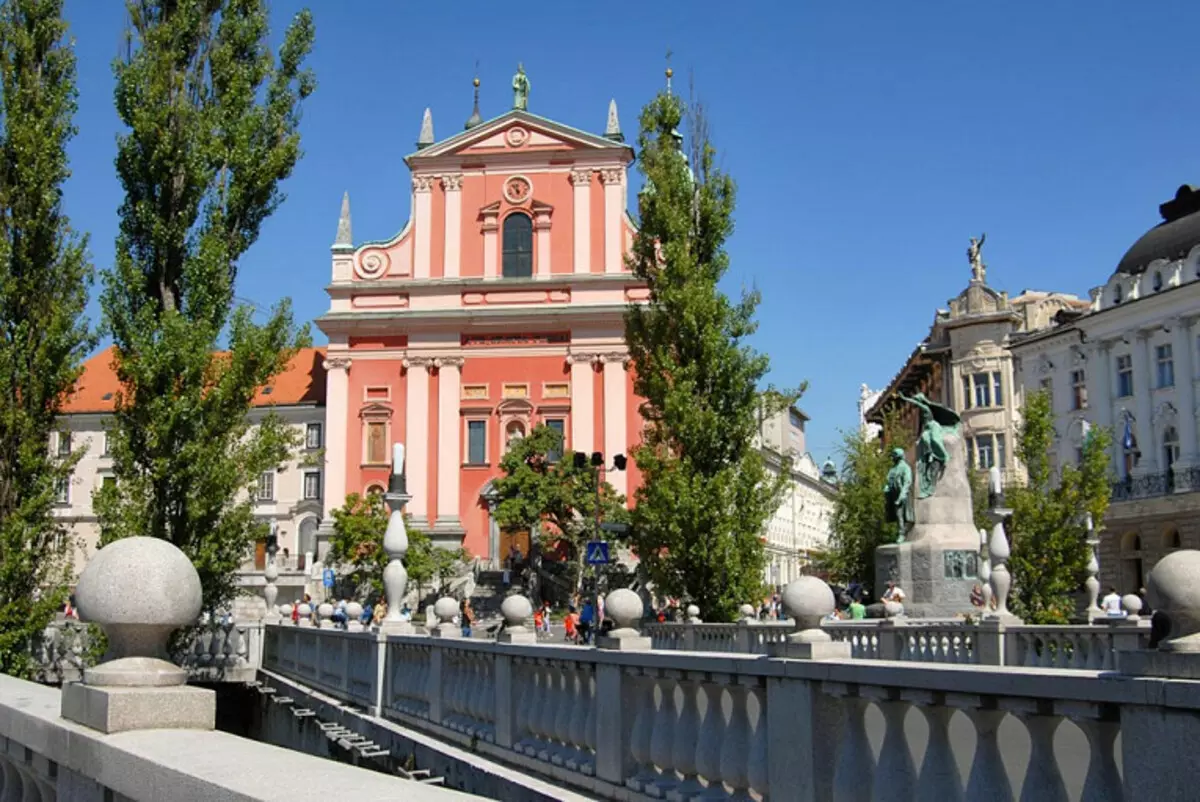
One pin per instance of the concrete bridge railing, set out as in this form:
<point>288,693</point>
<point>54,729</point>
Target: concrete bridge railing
<point>621,723</point>
<point>1091,646</point>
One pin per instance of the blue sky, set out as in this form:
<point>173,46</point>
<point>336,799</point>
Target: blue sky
<point>868,140</point>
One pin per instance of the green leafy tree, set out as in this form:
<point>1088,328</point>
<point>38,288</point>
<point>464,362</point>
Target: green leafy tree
<point>357,549</point>
<point>1049,521</point>
<point>211,121</point>
<point>541,486</point>
<point>706,492</point>
<point>859,525</point>
<point>44,279</point>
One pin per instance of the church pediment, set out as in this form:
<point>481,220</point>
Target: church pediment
<point>514,132</point>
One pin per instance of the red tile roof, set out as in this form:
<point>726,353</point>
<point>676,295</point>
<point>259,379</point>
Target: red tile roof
<point>302,382</point>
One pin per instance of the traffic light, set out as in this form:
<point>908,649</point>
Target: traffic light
<point>619,462</point>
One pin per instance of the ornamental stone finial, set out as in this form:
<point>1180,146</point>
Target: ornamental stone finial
<point>344,239</point>
<point>808,600</point>
<point>625,608</point>
<point>425,139</point>
<point>516,610</point>
<point>612,130</point>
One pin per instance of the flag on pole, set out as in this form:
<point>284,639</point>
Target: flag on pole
<point>1127,440</point>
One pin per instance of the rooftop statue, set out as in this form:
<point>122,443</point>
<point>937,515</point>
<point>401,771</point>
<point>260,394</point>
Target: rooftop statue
<point>975,254</point>
<point>897,494</point>
<point>520,85</point>
<point>936,421</point>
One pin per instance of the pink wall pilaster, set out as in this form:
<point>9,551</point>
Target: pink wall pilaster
<point>582,180</point>
<point>453,247</point>
<point>417,427</point>
<point>582,405</point>
<point>491,231</point>
<point>613,213</point>
<point>337,399</point>
<point>614,416</point>
<point>449,449</point>
<point>422,225</point>
<point>541,225</point>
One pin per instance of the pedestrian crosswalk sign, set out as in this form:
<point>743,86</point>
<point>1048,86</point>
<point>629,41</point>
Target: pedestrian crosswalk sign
<point>597,553</point>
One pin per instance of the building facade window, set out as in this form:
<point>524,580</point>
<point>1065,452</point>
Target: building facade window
<point>1166,366</point>
<point>517,252</point>
<point>1079,398</point>
<point>983,452</point>
<point>376,443</point>
<point>1047,386</point>
<point>983,391</point>
<point>312,485</point>
<point>559,427</point>
<point>477,442</point>
<point>966,392</point>
<point>1170,447</point>
<point>266,486</point>
<point>997,389</point>
<point>312,436</point>
<point>62,490</point>
<point>986,451</point>
<point>1124,376</point>
<point>1158,282</point>
<point>64,444</point>
<point>1117,297</point>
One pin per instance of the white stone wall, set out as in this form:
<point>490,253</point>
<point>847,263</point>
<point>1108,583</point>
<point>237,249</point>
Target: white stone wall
<point>800,525</point>
<point>288,509</point>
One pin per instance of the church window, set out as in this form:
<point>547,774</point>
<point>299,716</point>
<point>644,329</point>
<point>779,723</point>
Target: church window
<point>559,427</point>
<point>477,442</point>
<point>1124,376</point>
<point>518,246</point>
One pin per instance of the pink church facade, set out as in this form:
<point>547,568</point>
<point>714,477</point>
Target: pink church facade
<point>499,306</point>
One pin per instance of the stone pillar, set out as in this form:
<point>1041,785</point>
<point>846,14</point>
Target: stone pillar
<point>452,252</point>
<point>422,205</point>
<point>449,448</point>
<point>1100,394</point>
<point>541,229</point>
<point>614,212</point>
<point>582,181</point>
<point>417,430</point>
<point>1143,377</point>
<point>614,416</point>
<point>337,416</point>
<point>1181,351</point>
<point>582,402</point>
<point>491,245</point>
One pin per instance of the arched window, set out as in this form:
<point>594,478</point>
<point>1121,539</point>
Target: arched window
<point>518,246</point>
<point>373,489</point>
<point>1171,539</point>
<point>1158,282</point>
<point>1132,541</point>
<point>1170,447</point>
<point>1117,294</point>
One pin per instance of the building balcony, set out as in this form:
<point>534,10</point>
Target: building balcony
<point>1153,485</point>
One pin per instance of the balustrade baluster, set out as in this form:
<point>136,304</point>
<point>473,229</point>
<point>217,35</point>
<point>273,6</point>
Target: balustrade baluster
<point>1027,646</point>
<point>757,768</point>
<point>735,746</point>
<point>524,679</point>
<point>562,714</point>
<point>1043,780</point>
<point>662,737</point>
<point>687,736</point>
<point>938,778</point>
<point>895,775</point>
<point>988,781</point>
<point>488,703</point>
<point>1109,654</point>
<point>643,722</point>
<point>589,727</point>
<point>545,709</point>
<point>473,674</point>
<point>550,716</point>
<point>854,773</point>
<point>450,688</point>
<point>1097,646</point>
<point>580,684</point>
<point>1100,726</point>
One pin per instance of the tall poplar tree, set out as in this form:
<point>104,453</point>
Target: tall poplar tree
<point>706,492</point>
<point>44,279</point>
<point>212,119</point>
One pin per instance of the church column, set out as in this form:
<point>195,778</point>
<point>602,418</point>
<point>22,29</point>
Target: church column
<point>337,418</point>
<point>1142,377</point>
<point>582,403</point>
<point>1100,392</point>
<point>422,224</point>
<point>614,416</point>
<point>582,181</point>
<point>453,228</point>
<point>1181,352</point>
<point>416,460</point>
<point>449,449</point>
<point>491,233</point>
<point>613,212</point>
<point>541,227</point>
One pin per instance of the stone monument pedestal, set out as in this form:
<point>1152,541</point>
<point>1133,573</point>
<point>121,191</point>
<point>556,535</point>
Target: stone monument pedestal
<point>119,709</point>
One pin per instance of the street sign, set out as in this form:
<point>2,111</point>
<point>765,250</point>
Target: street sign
<point>597,553</point>
<point>328,578</point>
<point>615,528</point>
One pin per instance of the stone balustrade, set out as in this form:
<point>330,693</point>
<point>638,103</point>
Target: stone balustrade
<point>1086,646</point>
<point>45,758</point>
<point>682,725</point>
<point>218,652</point>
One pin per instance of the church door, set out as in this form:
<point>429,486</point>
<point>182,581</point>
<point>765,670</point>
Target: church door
<point>518,537</point>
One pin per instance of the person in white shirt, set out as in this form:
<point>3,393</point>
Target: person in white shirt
<point>1111,603</point>
<point>893,599</point>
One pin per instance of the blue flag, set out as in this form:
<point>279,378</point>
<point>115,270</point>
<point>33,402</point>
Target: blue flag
<point>1127,440</point>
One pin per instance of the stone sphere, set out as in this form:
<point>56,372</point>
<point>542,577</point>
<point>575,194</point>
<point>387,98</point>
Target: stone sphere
<point>808,600</point>
<point>445,609</point>
<point>285,610</point>
<point>354,611</point>
<point>1173,588</point>
<point>139,581</point>
<point>325,611</point>
<point>516,609</point>
<point>305,611</point>
<point>693,611</point>
<point>1131,603</point>
<point>623,606</point>
<point>746,611</point>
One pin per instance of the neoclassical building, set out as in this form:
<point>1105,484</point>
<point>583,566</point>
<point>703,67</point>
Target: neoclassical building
<point>966,364</point>
<point>499,305</point>
<point>1130,364</point>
